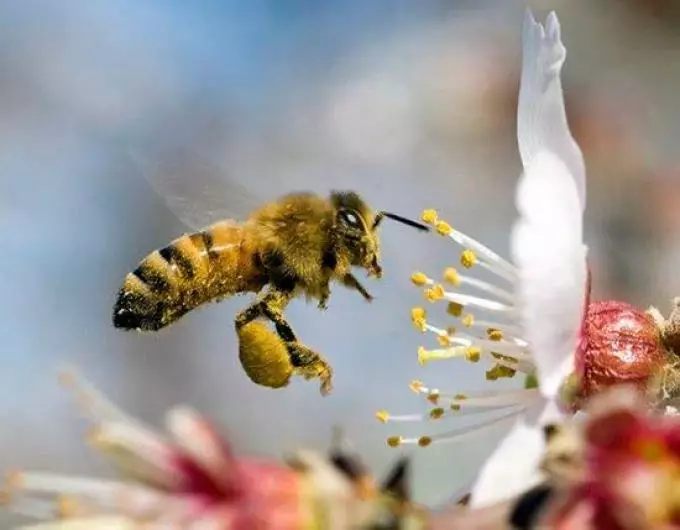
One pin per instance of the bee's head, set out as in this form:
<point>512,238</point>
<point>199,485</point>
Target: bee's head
<point>356,229</point>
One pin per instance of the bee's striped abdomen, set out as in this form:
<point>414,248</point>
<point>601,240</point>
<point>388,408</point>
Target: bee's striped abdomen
<point>190,271</point>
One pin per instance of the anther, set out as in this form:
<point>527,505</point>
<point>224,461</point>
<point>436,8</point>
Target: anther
<point>419,279</point>
<point>433,397</point>
<point>469,320</point>
<point>382,416</point>
<point>429,216</point>
<point>451,276</point>
<point>423,356</point>
<point>435,293</point>
<point>454,309</point>
<point>495,335</point>
<point>468,258</point>
<point>395,441</point>
<point>455,407</point>
<point>473,354</point>
<point>437,413</point>
<point>416,386</point>
<point>443,228</point>
<point>424,441</point>
<point>460,397</point>
<point>444,339</point>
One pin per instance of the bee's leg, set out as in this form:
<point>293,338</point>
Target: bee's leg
<point>310,365</point>
<point>270,305</point>
<point>325,296</point>
<point>350,281</point>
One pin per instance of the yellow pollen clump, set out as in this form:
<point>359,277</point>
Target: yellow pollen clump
<point>416,386</point>
<point>429,216</point>
<point>395,441</point>
<point>419,279</point>
<point>435,294</point>
<point>423,356</point>
<point>454,309</point>
<point>494,334</point>
<point>451,276</point>
<point>433,397</point>
<point>424,441</point>
<point>468,258</point>
<point>469,320</point>
<point>443,228</point>
<point>382,416</point>
<point>437,413</point>
<point>444,339</point>
<point>418,318</point>
<point>473,354</point>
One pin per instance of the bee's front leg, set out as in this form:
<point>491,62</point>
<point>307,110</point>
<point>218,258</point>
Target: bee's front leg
<point>350,281</point>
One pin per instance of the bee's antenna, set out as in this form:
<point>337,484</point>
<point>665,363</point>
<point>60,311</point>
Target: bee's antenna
<point>415,224</point>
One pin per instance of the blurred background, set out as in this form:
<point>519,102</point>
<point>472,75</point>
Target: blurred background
<point>411,103</point>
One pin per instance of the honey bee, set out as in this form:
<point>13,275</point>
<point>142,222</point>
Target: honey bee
<point>296,245</point>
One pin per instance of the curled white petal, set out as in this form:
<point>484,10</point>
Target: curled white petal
<point>513,467</point>
<point>541,118</point>
<point>547,239</point>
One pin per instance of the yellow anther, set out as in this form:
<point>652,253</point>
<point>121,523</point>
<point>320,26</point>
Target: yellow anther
<point>437,413</point>
<point>468,258</point>
<point>473,354</point>
<point>443,228</point>
<point>455,407</point>
<point>494,334</point>
<point>418,318</point>
<point>395,441</point>
<point>444,339</point>
<point>451,331</point>
<point>433,397</point>
<point>454,309</point>
<point>424,441</point>
<point>429,216</point>
<point>423,356</point>
<point>492,373</point>
<point>419,279</point>
<point>451,276</point>
<point>416,386</point>
<point>531,381</point>
<point>507,372</point>
<point>382,416</point>
<point>460,397</point>
<point>435,293</point>
<point>469,320</point>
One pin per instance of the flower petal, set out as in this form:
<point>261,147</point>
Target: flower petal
<point>513,467</point>
<point>547,239</point>
<point>541,117</point>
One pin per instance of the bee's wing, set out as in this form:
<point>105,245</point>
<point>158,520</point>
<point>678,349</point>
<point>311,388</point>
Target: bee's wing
<point>196,187</point>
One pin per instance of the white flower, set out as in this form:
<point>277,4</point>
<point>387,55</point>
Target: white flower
<point>538,317</point>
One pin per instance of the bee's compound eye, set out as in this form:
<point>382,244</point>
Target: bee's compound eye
<point>350,218</point>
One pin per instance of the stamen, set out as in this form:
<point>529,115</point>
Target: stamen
<point>452,277</point>
<point>480,399</point>
<point>459,435</point>
<point>474,301</point>
<point>95,404</point>
<point>110,522</point>
<point>500,347</point>
<point>137,452</point>
<point>438,413</point>
<point>495,263</point>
